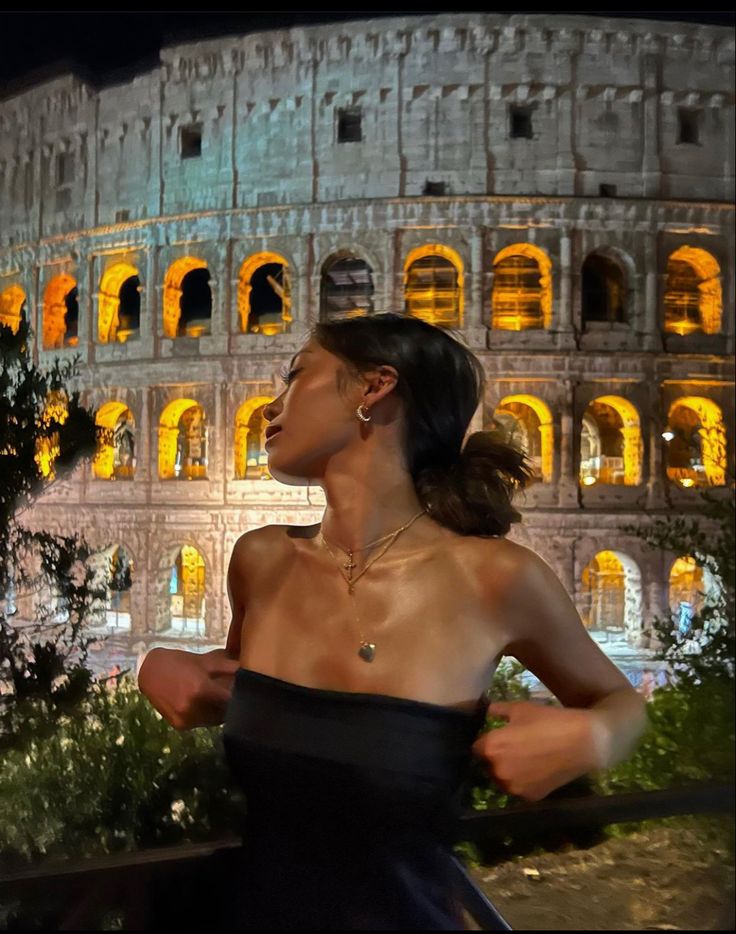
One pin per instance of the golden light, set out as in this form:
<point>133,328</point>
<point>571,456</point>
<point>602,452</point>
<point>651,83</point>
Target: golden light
<point>433,285</point>
<point>693,297</point>
<point>108,323</point>
<point>522,288</point>
<point>589,481</point>
<point>282,289</point>
<point>173,291</point>
<point>11,305</point>
<point>54,313</point>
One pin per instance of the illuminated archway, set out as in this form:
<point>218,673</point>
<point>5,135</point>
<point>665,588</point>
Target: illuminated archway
<point>56,410</point>
<point>112,572</point>
<point>187,592</point>
<point>535,432</point>
<point>251,457</point>
<point>693,298</point>
<point>182,441</point>
<point>108,317</point>
<point>611,595</point>
<point>611,446</point>
<point>115,457</point>
<point>58,302</point>
<point>522,288</point>
<point>346,287</point>
<point>264,294</point>
<point>696,450</point>
<point>690,587</point>
<point>173,291</point>
<point>433,285</point>
<point>12,301</point>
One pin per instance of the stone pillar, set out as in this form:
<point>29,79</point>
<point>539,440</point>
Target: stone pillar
<point>564,305</point>
<point>656,498</point>
<point>651,168</point>
<point>568,490</point>
<point>474,316</point>
<point>652,336</point>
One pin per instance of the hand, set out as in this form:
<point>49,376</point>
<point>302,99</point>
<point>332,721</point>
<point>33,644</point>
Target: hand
<point>188,689</point>
<point>539,749</point>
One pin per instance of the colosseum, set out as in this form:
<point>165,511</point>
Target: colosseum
<point>557,191</point>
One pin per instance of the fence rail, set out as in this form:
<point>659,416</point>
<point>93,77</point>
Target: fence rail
<point>143,886</point>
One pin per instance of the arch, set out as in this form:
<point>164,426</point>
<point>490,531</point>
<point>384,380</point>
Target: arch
<point>346,286</point>
<point>115,456</point>
<point>611,596</point>
<point>434,279</point>
<point>113,568</point>
<point>173,291</point>
<point>108,313</point>
<point>270,320</point>
<point>604,288</point>
<point>696,455</point>
<point>182,441</point>
<point>542,453</point>
<point>618,459</point>
<point>56,300</point>
<point>693,299</point>
<point>187,591</point>
<point>56,409</point>
<point>251,458</point>
<point>12,301</point>
<point>522,288</point>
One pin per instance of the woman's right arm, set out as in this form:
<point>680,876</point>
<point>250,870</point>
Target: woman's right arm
<point>191,689</point>
<point>187,688</point>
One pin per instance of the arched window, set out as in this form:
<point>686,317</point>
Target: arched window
<point>56,412</point>
<point>251,457</point>
<point>187,593</point>
<point>60,313</point>
<point>611,445</point>
<point>433,285</point>
<point>119,310</point>
<point>346,288</point>
<point>522,288</point>
<point>187,299</point>
<point>182,453</point>
<point>115,458</point>
<point>693,297</point>
<point>264,295</point>
<point>604,290</point>
<point>526,423</point>
<point>696,443</point>
<point>611,597</point>
<point>12,307</point>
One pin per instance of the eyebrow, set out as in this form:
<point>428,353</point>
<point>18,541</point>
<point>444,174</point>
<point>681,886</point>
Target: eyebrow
<point>296,355</point>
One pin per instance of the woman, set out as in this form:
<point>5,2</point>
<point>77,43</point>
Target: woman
<point>352,686</point>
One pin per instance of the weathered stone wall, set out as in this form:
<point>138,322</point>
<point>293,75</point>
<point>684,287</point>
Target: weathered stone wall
<point>434,93</point>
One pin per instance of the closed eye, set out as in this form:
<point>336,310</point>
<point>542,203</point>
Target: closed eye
<point>287,375</point>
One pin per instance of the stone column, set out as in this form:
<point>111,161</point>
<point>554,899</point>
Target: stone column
<point>568,490</point>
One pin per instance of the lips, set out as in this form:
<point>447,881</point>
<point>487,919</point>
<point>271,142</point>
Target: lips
<point>270,432</point>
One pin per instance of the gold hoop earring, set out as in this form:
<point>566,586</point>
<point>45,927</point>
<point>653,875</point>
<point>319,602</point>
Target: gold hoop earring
<point>363,418</point>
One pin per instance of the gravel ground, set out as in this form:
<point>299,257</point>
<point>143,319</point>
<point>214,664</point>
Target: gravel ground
<point>665,878</point>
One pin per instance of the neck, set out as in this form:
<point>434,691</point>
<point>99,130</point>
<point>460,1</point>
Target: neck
<point>354,517</point>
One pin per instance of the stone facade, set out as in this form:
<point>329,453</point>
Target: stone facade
<point>623,142</point>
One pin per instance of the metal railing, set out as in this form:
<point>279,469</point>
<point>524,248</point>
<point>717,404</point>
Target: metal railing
<point>142,888</point>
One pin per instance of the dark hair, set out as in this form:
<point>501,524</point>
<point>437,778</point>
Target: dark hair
<point>468,489</point>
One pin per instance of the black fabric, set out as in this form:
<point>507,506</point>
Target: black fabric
<point>351,801</point>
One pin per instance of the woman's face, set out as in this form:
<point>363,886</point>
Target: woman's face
<point>315,420</point>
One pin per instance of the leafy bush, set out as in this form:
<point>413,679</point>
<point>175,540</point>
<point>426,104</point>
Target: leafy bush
<point>113,776</point>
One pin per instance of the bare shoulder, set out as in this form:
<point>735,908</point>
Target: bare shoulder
<point>501,563</point>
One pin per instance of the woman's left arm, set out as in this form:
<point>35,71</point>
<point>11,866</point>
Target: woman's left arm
<point>542,747</point>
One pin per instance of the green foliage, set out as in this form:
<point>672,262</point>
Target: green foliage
<point>111,776</point>
<point>42,657</point>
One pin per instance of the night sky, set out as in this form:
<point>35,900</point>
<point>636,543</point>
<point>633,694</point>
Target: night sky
<point>103,44</point>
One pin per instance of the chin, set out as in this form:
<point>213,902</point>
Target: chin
<point>290,479</point>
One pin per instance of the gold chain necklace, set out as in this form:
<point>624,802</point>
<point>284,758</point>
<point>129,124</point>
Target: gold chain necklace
<point>367,650</point>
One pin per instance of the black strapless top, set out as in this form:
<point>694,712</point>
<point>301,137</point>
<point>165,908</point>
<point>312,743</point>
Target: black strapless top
<point>351,804</point>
